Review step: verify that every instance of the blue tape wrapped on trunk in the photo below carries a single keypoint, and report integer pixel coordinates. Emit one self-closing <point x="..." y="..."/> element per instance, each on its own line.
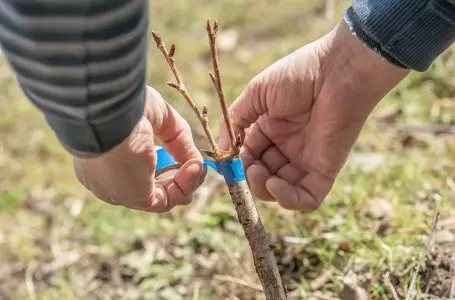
<point x="232" y="170"/>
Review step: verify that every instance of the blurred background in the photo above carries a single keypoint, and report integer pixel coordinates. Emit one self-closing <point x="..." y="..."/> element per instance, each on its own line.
<point x="59" y="242"/>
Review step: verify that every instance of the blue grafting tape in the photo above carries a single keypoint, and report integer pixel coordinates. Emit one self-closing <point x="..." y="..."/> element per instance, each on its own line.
<point x="211" y="164"/>
<point x="232" y="170"/>
<point x="165" y="160"/>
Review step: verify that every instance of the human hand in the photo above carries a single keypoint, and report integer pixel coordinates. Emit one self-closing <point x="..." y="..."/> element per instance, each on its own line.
<point x="302" y="115"/>
<point x="126" y="175"/>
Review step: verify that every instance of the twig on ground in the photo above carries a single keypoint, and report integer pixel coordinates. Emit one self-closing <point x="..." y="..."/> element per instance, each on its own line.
<point x="322" y="296"/>
<point x="411" y="292"/>
<point x="452" y="289"/>
<point x="233" y="297"/>
<point x="418" y="128"/>
<point x="197" y="287"/>
<point x="238" y="281"/>
<point x="322" y="279"/>
<point x="64" y="260"/>
<point x="390" y="286"/>
<point x="31" y="290"/>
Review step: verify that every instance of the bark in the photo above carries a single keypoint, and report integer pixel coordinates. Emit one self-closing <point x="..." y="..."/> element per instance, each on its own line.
<point x="264" y="258"/>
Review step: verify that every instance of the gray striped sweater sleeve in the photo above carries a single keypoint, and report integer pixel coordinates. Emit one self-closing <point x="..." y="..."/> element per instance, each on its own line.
<point x="82" y="63"/>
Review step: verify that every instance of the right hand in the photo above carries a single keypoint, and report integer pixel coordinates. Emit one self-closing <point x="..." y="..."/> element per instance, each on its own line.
<point x="126" y="175"/>
<point x="302" y="115"/>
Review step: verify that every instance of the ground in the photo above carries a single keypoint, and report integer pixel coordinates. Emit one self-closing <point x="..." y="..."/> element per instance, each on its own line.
<point x="59" y="242"/>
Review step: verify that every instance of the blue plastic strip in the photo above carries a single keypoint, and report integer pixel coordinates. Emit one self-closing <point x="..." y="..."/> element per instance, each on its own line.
<point x="232" y="170"/>
<point x="165" y="160"/>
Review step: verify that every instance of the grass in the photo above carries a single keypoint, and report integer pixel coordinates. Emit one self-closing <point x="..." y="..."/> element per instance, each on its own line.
<point x="57" y="242"/>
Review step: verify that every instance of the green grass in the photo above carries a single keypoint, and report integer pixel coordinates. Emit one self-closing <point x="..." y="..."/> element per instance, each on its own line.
<point x="128" y="255"/>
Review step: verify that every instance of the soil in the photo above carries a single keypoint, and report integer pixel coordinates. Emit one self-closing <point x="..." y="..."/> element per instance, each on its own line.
<point x="438" y="276"/>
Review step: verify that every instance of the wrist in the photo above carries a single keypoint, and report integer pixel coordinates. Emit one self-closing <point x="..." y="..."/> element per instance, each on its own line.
<point x="367" y="72"/>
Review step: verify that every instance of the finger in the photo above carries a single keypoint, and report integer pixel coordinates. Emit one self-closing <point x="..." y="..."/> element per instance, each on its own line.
<point x="171" y="128"/>
<point x="290" y="174"/>
<point x="175" y="133"/>
<point x="255" y="144"/>
<point x="245" y="110"/>
<point x="179" y="189"/>
<point x="159" y="201"/>
<point x="257" y="175"/>
<point x="305" y="196"/>
<point x="274" y="159"/>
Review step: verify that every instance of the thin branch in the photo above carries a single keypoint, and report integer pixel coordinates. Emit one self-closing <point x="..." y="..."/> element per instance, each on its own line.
<point x="390" y="286"/>
<point x="452" y="289"/>
<point x="179" y="86"/>
<point x="217" y="82"/>
<point x="319" y="282"/>
<point x="239" y="281"/>
<point x="436" y="129"/>
<point x="64" y="260"/>
<point x="411" y="293"/>
<point x="263" y="256"/>
<point x="29" y="282"/>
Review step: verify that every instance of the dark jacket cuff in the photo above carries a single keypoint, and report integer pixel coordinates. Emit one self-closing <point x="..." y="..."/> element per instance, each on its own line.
<point x="408" y="33"/>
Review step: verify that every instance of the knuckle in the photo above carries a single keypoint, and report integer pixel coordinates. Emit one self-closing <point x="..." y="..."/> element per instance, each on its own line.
<point x="157" y="206"/>
<point x="185" y="200"/>
<point x="186" y="126"/>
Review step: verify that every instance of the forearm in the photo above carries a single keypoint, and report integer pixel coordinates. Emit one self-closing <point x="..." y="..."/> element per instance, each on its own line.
<point x="408" y="33"/>
<point x="82" y="63"/>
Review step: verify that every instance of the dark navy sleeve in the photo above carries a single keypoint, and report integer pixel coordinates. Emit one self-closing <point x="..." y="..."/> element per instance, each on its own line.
<point x="408" y="33"/>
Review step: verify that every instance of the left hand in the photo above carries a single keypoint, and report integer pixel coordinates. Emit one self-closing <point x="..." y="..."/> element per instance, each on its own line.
<point x="126" y="175"/>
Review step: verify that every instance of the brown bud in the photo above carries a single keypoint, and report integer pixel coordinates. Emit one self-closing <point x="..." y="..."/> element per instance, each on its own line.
<point x="208" y="153"/>
<point x="238" y="141"/>
<point x="157" y="38"/>
<point x="215" y="27"/>
<point x="212" y="77"/>
<point x="172" y="51"/>
<point x="205" y="110"/>
<point x="173" y="85"/>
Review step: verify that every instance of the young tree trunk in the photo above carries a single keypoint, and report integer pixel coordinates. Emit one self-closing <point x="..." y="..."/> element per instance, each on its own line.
<point x="264" y="258"/>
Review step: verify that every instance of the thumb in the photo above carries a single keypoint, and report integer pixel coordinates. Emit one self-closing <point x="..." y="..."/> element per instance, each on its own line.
<point x="245" y="110"/>
<point x="171" y="128"/>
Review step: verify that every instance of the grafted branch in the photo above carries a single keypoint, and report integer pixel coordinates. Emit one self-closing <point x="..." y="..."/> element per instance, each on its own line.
<point x="180" y="87"/>
<point x="264" y="259"/>
<point x="218" y="83"/>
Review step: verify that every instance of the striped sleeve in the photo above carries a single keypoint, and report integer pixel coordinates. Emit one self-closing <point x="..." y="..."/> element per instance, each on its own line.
<point x="82" y="63"/>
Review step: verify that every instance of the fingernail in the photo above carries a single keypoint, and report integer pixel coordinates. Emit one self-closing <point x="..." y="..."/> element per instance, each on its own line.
<point x="195" y="168"/>
<point x="202" y="175"/>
